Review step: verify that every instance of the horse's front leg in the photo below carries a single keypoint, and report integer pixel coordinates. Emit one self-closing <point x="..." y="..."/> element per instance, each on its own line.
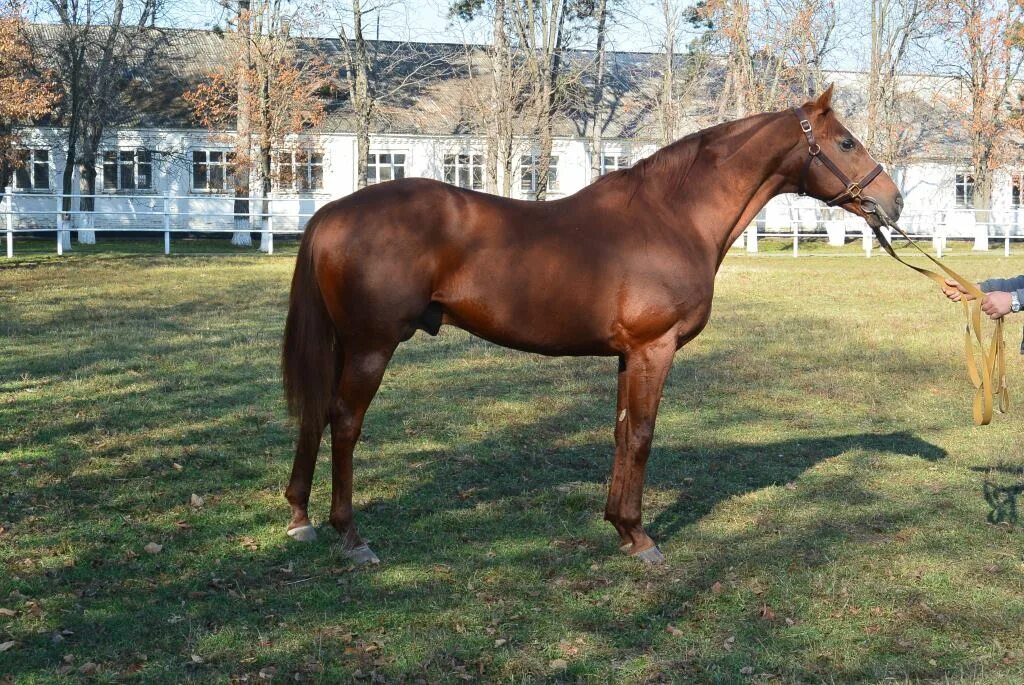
<point x="642" y="374"/>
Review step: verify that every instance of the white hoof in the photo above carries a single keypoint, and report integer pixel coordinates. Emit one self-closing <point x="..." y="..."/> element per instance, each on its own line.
<point x="362" y="555"/>
<point x="306" y="533"/>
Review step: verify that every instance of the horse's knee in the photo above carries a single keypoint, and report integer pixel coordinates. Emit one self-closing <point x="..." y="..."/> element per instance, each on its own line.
<point x="344" y="426"/>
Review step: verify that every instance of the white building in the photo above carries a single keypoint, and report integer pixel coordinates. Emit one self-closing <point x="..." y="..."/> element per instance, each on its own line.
<point x="165" y="173"/>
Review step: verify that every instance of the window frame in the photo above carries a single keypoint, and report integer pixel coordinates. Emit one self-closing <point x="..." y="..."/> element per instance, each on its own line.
<point x="621" y="162"/>
<point x="470" y="164"/>
<point x="308" y="161"/>
<point x="30" y="168"/>
<point x="225" y="164"/>
<point x="374" y="162"/>
<point x="528" y="172"/>
<point x="963" y="189"/>
<point x="120" y="159"/>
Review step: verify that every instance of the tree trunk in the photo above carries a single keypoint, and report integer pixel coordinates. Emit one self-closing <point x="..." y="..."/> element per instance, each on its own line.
<point x="265" y="188"/>
<point x="552" y="49"/>
<point x="597" y="132"/>
<point x="87" y="187"/>
<point x="243" y="238"/>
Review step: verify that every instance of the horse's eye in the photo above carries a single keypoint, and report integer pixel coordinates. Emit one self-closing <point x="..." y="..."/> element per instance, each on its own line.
<point x="847" y="144"/>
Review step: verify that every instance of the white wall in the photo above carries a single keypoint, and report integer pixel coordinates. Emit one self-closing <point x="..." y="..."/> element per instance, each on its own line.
<point x="927" y="186"/>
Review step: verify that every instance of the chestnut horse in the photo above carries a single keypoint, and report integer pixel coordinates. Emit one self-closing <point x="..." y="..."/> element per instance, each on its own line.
<point x="625" y="268"/>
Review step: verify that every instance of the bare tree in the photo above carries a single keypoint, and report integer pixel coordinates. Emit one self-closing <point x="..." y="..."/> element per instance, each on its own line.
<point x="269" y="91"/>
<point x="893" y="127"/>
<point x="540" y="28"/>
<point x="378" y="74"/>
<point x="496" y="83"/>
<point x="774" y="49"/>
<point x="599" y="13"/>
<point x="986" y="49"/>
<point x="99" y="50"/>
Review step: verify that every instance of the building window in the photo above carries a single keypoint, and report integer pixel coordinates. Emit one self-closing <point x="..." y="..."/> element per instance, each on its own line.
<point x="964" y="190"/>
<point x="465" y="171"/>
<point x="613" y="163"/>
<point x="212" y="170"/>
<point x="384" y="166"/>
<point x="299" y="170"/>
<point x="1015" y="183"/>
<point x="127" y="170"/>
<point x="528" y="171"/>
<point x="33" y="170"/>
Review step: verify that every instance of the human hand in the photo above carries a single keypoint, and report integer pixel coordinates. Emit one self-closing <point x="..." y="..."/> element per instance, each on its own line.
<point x="996" y="305"/>
<point x="955" y="291"/>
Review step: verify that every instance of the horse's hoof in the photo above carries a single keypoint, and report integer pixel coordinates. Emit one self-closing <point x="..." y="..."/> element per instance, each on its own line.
<point x="362" y="555"/>
<point x="306" y="533"/>
<point x="651" y="555"/>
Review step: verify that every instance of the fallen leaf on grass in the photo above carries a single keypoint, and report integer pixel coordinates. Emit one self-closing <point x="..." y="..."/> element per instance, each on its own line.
<point x="153" y="548"/>
<point x="183" y="525"/>
<point x="500" y="641"/>
<point x="89" y="668"/>
<point x="268" y="672"/>
<point x="8" y="612"/>
<point x="176" y="466"/>
<point x="559" y="664"/>
<point x="766" y="613"/>
<point x="747" y="670"/>
<point x="672" y="630"/>
<point x="196" y="659"/>
<point x="196" y="501"/>
<point x="249" y="543"/>
<point x="716" y="588"/>
<point x="729" y="642"/>
<point x="4" y="646"/>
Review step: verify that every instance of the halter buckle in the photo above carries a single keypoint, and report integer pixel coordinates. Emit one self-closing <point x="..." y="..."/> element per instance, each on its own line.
<point x="805" y="126"/>
<point x="854" y="191"/>
<point x="814" y="150"/>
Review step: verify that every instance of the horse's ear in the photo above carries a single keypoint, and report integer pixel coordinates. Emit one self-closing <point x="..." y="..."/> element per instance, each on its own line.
<point x="824" y="101"/>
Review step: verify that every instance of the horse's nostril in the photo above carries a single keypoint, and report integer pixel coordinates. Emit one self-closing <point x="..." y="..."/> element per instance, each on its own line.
<point x="899" y="201"/>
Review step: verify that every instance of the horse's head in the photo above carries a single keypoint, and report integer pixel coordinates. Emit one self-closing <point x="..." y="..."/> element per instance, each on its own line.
<point x="835" y="168"/>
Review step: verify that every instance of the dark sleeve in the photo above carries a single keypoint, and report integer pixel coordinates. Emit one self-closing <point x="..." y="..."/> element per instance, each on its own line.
<point x="1002" y="284"/>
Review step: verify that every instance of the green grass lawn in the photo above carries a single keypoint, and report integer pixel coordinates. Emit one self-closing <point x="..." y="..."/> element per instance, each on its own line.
<point x="829" y="512"/>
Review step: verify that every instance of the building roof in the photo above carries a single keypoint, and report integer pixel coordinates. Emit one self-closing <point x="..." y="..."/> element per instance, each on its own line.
<point x="438" y="89"/>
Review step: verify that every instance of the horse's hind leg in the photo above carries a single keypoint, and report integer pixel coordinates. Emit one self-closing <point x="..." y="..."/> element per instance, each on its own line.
<point x="301" y="481"/>
<point x="362" y="371"/>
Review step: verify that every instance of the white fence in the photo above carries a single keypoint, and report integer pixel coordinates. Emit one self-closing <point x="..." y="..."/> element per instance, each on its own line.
<point x="30" y="212"/>
<point x="982" y="227"/>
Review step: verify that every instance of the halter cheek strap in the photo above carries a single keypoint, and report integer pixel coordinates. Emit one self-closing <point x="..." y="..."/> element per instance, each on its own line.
<point x="854" y="189"/>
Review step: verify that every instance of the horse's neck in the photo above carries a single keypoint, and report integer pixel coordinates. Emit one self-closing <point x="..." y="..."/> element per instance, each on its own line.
<point x="735" y="173"/>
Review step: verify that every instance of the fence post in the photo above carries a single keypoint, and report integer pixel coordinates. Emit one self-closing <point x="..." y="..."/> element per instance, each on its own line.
<point x="270" y="229"/>
<point x="796" y="238"/>
<point x="1006" y="237"/>
<point x="9" y="203"/>
<point x="60" y="225"/>
<point x="866" y="241"/>
<point x="167" y="226"/>
<point x="752" y="238"/>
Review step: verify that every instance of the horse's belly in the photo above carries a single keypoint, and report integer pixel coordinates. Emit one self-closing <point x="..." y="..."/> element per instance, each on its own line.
<point x="540" y="334"/>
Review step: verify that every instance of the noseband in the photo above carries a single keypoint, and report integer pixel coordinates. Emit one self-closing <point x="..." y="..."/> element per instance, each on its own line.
<point x="854" y="189"/>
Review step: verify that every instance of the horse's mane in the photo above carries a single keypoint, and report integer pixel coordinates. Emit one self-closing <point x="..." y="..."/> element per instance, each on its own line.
<point x="673" y="162"/>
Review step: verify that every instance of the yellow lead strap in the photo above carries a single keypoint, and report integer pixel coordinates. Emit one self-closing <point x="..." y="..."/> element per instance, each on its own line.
<point x="992" y="369"/>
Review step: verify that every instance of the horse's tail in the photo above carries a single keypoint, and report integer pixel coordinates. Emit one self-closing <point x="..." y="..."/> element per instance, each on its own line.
<point x="309" y="355"/>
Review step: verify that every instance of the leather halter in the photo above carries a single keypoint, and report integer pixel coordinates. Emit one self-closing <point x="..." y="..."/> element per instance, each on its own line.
<point x="854" y="189"/>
